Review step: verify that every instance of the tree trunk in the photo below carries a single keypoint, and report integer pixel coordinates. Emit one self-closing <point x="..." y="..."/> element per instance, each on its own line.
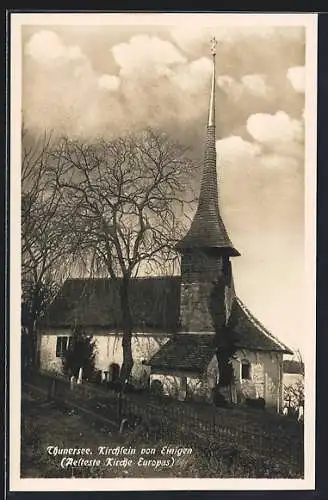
<point x="33" y="340"/>
<point x="127" y="331"/>
<point x="32" y="332"/>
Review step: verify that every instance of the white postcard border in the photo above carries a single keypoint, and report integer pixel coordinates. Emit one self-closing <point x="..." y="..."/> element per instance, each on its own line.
<point x="17" y="20"/>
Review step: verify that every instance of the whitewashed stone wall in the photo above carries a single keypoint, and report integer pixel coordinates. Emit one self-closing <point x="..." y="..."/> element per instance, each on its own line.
<point x="172" y="384"/>
<point x="198" y="387"/>
<point x="48" y="359"/>
<point x="265" y="380"/>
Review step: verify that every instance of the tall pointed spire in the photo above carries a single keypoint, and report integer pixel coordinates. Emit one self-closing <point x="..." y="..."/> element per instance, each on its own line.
<point x="207" y="229"/>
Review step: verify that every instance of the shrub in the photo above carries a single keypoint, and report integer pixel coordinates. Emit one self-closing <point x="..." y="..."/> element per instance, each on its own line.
<point x="219" y="399"/>
<point x="294" y="397"/>
<point x="96" y="378"/>
<point x="115" y="385"/>
<point x="255" y="403"/>
<point x="156" y="388"/>
<point x="81" y="353"/>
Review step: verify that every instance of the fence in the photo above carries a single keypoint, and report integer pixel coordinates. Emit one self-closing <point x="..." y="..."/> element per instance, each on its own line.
<point x="275" y="437"/>
<point x="259" y="436"/>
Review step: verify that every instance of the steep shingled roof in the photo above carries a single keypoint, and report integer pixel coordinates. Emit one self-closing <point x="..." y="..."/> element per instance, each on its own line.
<point x="207" y="229"/>
<point x="188" y="352"/>
<point x="192" y="352"/>
<point x="155" y="304"/>
<point x="95" y="303"/>
<point x="249" y="333"/>
<point x="293" y="366"/>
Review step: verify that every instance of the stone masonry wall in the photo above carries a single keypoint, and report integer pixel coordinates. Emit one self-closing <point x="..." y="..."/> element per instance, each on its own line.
<point x="265" y="377"/>
<point x="265" y="380"/>
<point x="198" y="311"/>
<point x="205" y="279"/>
<point x="109" y="350"/>
<point x="198" y="387"/>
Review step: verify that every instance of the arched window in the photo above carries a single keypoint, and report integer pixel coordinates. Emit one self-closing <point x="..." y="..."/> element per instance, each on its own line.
<point x="245" y="370"/>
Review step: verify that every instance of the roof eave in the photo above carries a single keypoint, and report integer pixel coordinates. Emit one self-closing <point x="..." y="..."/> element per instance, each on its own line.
<point x="225" y="250"/>
<point x="265" y="349"/>
<point x="157" y="368"/>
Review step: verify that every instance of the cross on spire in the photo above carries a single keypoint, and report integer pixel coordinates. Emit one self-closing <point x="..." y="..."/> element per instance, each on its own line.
<point x="211" y="115"/>
<point x="213" y="45"/>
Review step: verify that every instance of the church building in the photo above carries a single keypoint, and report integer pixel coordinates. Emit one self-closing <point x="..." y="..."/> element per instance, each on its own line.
<point x="191" y="333"/>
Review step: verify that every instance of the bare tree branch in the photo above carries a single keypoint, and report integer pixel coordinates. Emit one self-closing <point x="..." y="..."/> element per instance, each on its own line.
<point x="126" y="202"/>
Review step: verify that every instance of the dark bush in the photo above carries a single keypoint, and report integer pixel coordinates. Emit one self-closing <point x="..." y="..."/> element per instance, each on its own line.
<point x="129" y="388"/>
<point x="114" y="386"/>
<point x="218" y="399"/>
<point x="156" y="388"/>
<point x="255" y="403"/>
<point x="96" y="377"/>
<point x="81" y="353"/>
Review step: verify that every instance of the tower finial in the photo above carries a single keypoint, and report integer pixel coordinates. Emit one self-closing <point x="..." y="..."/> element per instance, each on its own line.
<point x="213" y="45"/>
<point x="211" y="114"/>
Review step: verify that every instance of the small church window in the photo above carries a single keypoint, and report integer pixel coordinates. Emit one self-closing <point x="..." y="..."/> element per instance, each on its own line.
<point x="61" y="346"/>
<point x="245" y="370"/>
<point x="226" y="269"/>
<point x="70" y="343"/>
<point x="182" y="394"/>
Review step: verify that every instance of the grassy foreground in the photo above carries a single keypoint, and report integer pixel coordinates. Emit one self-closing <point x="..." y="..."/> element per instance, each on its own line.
<point x="46" y="423"/>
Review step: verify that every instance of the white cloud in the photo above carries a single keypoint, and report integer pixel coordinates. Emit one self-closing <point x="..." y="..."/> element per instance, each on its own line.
<point x="46" y="47"/>
<point x="235" y="147"/>
<point x="156" y="84"/>
<point x="193" y="76"/>
<point x="230" y="86"/>
<point x="296" y="76"/>
<point x="62" y="91"/>
<point x="277" y="161"/>
<point x="143" y="52"/>
<point x="109" y="82"/>
<point x="278" y="128"/>
<point x="243" y="157"/>
<point x="254" y="85"/>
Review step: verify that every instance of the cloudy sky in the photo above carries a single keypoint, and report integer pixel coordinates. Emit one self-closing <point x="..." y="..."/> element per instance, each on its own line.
<point x="107" y="79"/>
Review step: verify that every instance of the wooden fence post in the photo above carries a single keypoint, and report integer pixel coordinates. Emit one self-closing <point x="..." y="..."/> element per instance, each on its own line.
<point x="52" y="389"/>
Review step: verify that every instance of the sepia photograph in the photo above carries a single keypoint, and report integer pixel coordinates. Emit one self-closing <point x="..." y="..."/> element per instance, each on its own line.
<point x="163" y="173"/>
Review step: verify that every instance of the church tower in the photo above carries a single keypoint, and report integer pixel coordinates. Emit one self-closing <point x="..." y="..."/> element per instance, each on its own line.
<point x="206" y="278"/>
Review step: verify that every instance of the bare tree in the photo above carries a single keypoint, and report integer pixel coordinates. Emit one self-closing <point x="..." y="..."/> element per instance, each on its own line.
<point x="294" y="396"/>
<point x="45" y="244"/>
<point x="299" y="358"/>
<point x="127" y="201"/>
